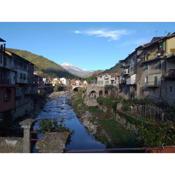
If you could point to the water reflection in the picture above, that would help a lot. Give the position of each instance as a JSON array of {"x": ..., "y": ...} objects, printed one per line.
[{"x": 59, "y": 109}]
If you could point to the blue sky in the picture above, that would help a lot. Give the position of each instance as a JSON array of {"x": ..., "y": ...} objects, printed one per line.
[{"x": 90, "y": 46}]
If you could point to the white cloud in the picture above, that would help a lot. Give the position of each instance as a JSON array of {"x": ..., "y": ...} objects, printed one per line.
[{"x": 104, "y": 33}]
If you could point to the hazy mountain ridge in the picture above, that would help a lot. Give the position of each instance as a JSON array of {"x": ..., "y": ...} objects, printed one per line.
[{"x": 76, "y": 70}]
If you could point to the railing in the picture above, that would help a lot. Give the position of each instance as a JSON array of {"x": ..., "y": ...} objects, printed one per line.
[
  {"x": 170, "y": 74},
  {"x": 5, "y": 81}
]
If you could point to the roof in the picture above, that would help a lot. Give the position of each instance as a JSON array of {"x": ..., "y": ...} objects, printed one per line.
[
  {"x": 11, "y": 54},
  {"x": 1, "y": 40},
  {"x": 156, "y": 40}
]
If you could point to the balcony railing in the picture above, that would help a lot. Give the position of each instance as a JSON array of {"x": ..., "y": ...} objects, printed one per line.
[
  {"x": 152, "y": 84},
  {"x": 5, "y": 81},
  {"x": 125, "y": 72},
  {"x": 170, "y": 74}
]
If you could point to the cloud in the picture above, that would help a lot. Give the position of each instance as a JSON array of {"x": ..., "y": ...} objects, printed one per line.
[{"x": 104, "y": 33}]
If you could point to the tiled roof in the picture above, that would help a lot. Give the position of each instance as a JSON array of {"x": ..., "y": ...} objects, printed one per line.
[
  {"x": 158, "y": 39},
  {"x": 11, "y": 54},
  {"x": 1, "y": 40}
]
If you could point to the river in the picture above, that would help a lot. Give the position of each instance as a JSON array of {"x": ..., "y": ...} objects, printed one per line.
[{"x": 58, "y": 108}]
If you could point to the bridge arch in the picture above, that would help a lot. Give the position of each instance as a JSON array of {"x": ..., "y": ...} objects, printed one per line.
[
  {"x": 76, "y": 89},
  {"x": 93, "y": 94},
  {"x": 100, "y": 93}
]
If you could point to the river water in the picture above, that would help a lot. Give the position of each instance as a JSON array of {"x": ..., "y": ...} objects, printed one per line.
[{"x": 58, "y": 108}]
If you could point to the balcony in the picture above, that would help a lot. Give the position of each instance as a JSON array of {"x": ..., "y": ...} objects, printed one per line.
[
  {"x": 152, "y": 84},
  {"x": 20, "y": 92},
  {"x": 122, "y": 80},
  {"x": 170, "y": 74},
  {"x": 31, "y": 90},
  {"x": 126, "y": 72},
  {"x": 5, "y": 81},
  {"x": 131, "y": 80}
]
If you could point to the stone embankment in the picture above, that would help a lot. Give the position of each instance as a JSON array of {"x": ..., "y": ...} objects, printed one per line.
[
  {"x": 11, "y": 145},
  {"x": 86, "y": 119},
  {"x": 53, "y": 142}
]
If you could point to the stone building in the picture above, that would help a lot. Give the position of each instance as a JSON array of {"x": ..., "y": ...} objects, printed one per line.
[
  {"x": 158, "y": 67},
  {"x": 149, "y": 71},
  {"x": 107, "y": 79},
  {"x": 7, "y": 81},
  {"x": 24, "y": 88},
  {"x": 16, "y": 84}
]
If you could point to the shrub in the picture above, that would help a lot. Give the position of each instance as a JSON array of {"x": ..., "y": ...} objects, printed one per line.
[{"x": 48, "y": 125}]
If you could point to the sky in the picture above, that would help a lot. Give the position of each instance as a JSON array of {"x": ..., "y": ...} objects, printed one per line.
[{"x": 90, "y": 46}]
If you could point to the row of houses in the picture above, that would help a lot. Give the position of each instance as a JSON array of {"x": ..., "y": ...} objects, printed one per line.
[
  {"x": 149, "y": 71},
  {"x": 18, "y": 84}
]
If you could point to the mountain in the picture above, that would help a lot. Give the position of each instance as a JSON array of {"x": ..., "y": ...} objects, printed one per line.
[
  {"x": 76, "y": 71},
  {"x": 96, "y": 73},
  {"x": 43, "y": 66},
  {"x": 116, "y": 69}
]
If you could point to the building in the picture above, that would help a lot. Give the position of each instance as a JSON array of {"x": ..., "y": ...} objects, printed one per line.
[
  {"x": 24, "y": 87},
  {"x": 107, "y": 79},
  {"x": 130, "y": 73},
  {"x": 7, "y": 81},
  {"x": 17, "y": 87},
  {"x": 44, "y": 85},
  {"x": 63, "y": 81},
  {"x": 158, "y": 68},
  {"x": 55, "y": 81},
  {"x": 149, "y": 71}
]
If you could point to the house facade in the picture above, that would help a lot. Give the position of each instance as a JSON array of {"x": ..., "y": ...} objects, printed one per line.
[
  {"x": 149, "y": 71},
  {"x": 17, "y": 87},
  {"x": 107, "y": 79},
  {"x": 7, "y": 81}
]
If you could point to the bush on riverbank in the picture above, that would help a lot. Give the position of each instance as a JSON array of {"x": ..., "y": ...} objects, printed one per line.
[
  {"x": 109, "y": 102},
  {"x": 152, "y": 134},
  {"x": 48, "y": 125},
  {"x": 158, "y": 135},
  {"x": 78, "y": 102}
]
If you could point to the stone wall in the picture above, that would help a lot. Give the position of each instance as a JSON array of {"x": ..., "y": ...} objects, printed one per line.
[{"x": 11, "y": 145}]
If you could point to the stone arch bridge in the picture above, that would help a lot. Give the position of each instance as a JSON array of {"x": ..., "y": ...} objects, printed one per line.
[
  {"x": 77, "y": 87},
  {"x": 92, "y": 93}
]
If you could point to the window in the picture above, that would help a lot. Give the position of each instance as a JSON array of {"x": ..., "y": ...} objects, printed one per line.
[
  {"x": 7, "y": 95},
  {"x": 20, "y": 75},
  {"x": 171, "y": 89},
  {"x": 155, "y": 80},
  {"x": 146, "y": 67},
  {"x": 146, "y": 79}
]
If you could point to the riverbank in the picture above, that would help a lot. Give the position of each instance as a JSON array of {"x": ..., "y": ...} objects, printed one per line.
[
  {"x": 105, "y": 128},
  {"x": 58, "y": 108}
]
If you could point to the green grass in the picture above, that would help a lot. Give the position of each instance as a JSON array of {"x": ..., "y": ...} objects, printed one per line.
[
  {"x": 78, "y": 103},
  {"x": 120, "y": 137}
]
